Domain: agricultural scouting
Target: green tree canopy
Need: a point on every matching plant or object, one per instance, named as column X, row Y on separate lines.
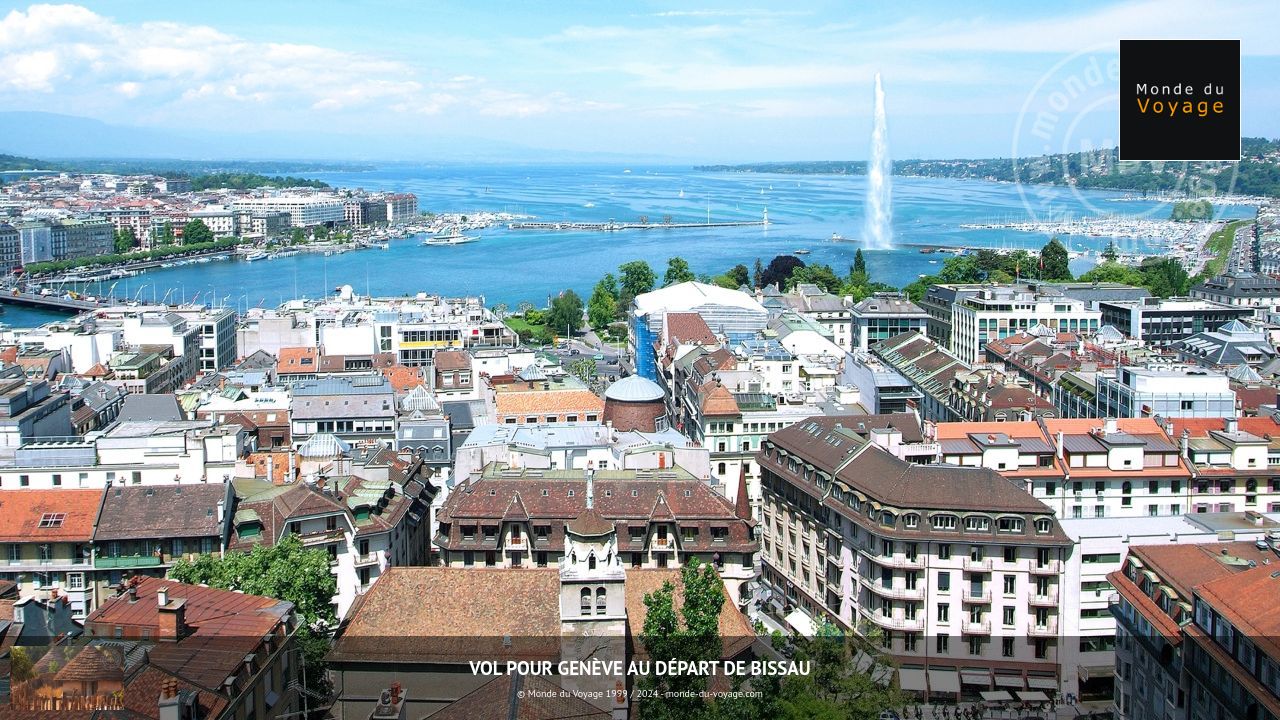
column 637, row 278
column 739, row 275
column 677, row 272
column 779, row 271
column 602, row 308
column 821, row 275
column 196, row 232
column 859, row 262
column 1054, row 261
column 697, row 638
column 565, row 313
column 125, row 240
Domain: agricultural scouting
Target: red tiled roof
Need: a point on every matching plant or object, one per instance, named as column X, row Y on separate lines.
column 685, row 328
column 402, row 378
column 452, row 360
column 65, row 515
column 1200, row 427
column 297, row 360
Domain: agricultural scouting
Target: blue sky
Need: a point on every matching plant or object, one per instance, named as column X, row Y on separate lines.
column 688, row 80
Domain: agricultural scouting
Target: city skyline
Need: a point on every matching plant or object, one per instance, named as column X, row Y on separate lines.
column 664, row 82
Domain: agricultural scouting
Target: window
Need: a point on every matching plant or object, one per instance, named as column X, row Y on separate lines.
column 490, row 558
column 944, row 582
column 944, row 551
column 1011, row 525
column 51, row 520
column 1006, row 646
column 24, row 481
column 57, row 480
column 1010, row 554
column 601, row 602
column 1010, row 584
column 585, row 602
column 941, row 644
column 1008, row 617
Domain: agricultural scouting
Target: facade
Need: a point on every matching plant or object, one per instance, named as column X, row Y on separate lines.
column 723, row 311
column 997, row 312
column 1164, row 390
column 829, row 311
column 30, row 410
column 958, row 568
column 517, row 517
column 1226, row 347
column 401, row 207
column 65, row 239
column 1195, row 628
column 1260, row 293
column 1164, row 321
column 10, row 248
column 882, row 316
column 48, row 540
column 222, row 222
column 304, row 210
column 352, row 408
column 930, row 368
column 1235, row 463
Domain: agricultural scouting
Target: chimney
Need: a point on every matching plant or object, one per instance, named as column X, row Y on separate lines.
column 1185, row 443
column 591, row 486
column 172, row 620
column 1110, row 426
column 1232, row 424
column 133, row 594
column 1058, row 449
column 391, row 704
column 162, row 596
column 222, row 510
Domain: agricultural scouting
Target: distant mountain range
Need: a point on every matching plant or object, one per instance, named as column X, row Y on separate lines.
column 1258, row 170
column 53, row 136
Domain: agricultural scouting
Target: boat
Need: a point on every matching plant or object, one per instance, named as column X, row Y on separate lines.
column 451, row 238
column 802, row 252
column 589, row 205
column 255, row 255
column 928, row 250
column 836, row 237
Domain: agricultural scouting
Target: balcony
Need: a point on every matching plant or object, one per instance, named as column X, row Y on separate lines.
column 893, row 561
column 50, row 564
column 1043, row 600
column 1048, row 628
column 128, row 561
column 982, row 627
column 1052, row 567
column 972, row 565
column 663, row 544
column 517, row 543
column 897, row 623
column 896, row 593
column 976, row 596
column 324, row 537
column 368, row 559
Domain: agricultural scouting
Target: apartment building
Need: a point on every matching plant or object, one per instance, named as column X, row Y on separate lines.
column 957, row 568
column 10, row 248
column 1163, row 321
column 1235, row 463
column 1165, row 390
column 30, row 410
column 996, row 312
column 304, row 210
column 882, row 316
column 1195, row 629
column 401, row 207
column 813, row 303
column 930, row 368
column 48, row 543
column 352, row 408
column 1255, row 291
column 517, row 517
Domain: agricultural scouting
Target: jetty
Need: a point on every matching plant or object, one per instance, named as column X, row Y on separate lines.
column 53, row 302
column 614, row 226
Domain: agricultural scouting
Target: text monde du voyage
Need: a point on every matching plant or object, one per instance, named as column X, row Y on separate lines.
column 1181, row 99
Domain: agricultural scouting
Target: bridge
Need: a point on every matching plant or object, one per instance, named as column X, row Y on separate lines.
column 51, row 302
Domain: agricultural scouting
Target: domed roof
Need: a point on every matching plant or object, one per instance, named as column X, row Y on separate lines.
column 323, row 445
column 634, row 389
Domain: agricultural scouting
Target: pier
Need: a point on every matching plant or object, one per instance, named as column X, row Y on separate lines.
column 612, row 226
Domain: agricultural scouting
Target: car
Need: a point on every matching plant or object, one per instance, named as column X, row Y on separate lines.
column 575, row 351
column 889, row 715
column 598, row 356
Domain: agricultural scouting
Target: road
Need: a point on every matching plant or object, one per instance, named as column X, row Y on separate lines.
column 608, row 366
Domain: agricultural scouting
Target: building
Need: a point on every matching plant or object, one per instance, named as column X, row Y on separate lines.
column 451, row 374
column 222, row 222
column 401, row 207
column 133, row 216
column 997, row 312
column 1235, row 463
column 515, row 517
column 882, row 316
column 1260, row 293
column 1229, row 346
column 724, row 311
column 10, row 248
column 828, row 310
column 929, row 367
column 366, row 523
column 958, row 568
column 199, row 652
column 65, row 239
column 1164, row 321
column 48, row 543
column 304, row 210
column 352, row 408
column 143, row 530
column 30, row 410
column 635, row 403
column 425, row 625
column 1195, row 629
column 880, row 388
column 531, row 397
column 1164, row 390
column 264, row 223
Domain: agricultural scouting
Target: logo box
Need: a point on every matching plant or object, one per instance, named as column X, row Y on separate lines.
column 1180, row 100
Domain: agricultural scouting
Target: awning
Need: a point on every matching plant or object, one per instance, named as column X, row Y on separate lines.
column 1014, row 681
column 911, row 679
column 801, row 623
column 944, row 681
column 1044, row 683
column 996, row 696
column 976, row 677
column 1033, row 696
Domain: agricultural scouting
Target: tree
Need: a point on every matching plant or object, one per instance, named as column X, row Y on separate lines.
column 739, row 274
column 501, row 310
column 125, row 241
column 196, row 232
column 859, row 262
column 836, row 687
column 602, row 308
column 757, row 274
column 20, row 665
column 779, row 271
column 297, row 236
column 677, row 272
column 320, row 232
column 821, row 275
column 166, row 235
column 697, row 639
column 1165, row 277
column 565, row 313
column 1113, row 272
column 1110, row 254
column 584, row 368
column 1054, row 261
column 285, row 571
column 637, row 278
